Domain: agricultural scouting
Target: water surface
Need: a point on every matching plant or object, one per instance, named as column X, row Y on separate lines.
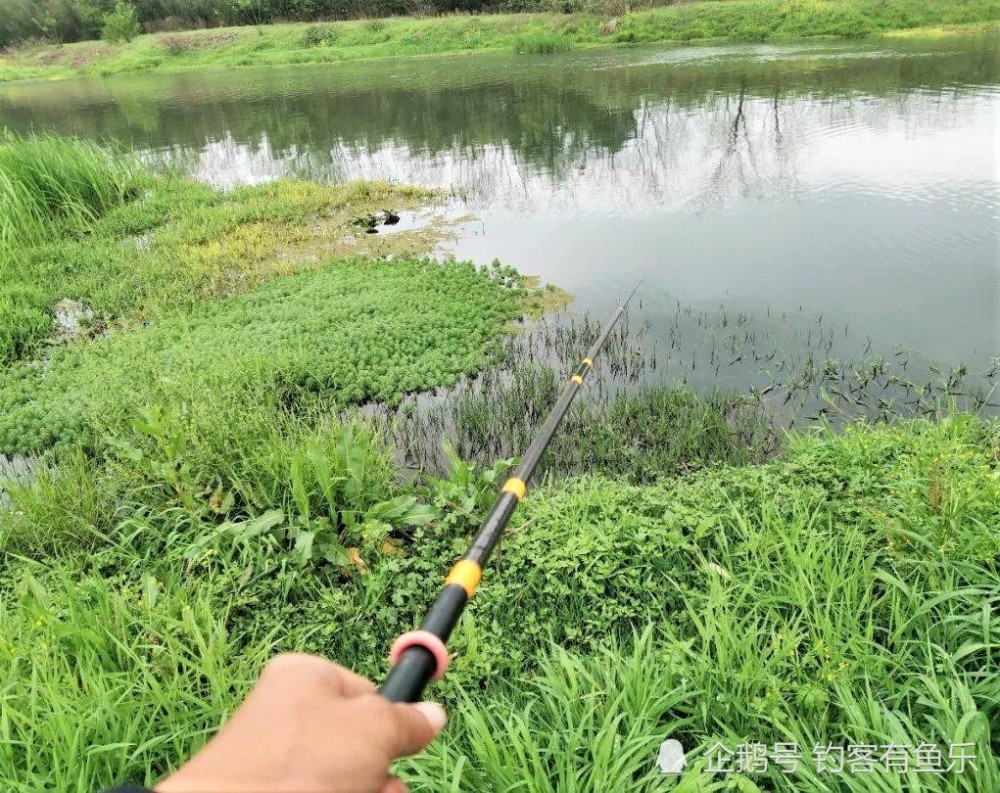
column 854, row 185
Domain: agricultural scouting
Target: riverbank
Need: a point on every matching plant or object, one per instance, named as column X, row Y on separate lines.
column 336, row 42
column 207, row 492
column 840, row 595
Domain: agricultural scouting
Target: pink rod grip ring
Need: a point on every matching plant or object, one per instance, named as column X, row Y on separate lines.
column 429, row 642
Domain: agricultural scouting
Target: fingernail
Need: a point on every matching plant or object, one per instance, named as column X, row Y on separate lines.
column 434, row 713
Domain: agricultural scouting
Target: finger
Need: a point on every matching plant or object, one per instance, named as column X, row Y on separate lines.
column 412, row 727
column 394, row 785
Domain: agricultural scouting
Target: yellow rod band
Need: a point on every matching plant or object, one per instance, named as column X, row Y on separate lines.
column 577, row 379
column 588, row 361
column 515, row 486
column 467, row 573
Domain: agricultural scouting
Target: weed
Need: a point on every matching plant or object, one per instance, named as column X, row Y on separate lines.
column 540, row 44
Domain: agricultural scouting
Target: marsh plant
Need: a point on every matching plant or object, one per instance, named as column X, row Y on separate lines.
column 661, row 399
column 50, row 185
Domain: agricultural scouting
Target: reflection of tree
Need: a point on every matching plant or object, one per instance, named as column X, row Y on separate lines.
column 754, row 158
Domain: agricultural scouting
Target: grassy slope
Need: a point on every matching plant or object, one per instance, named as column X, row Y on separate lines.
column 735, row 20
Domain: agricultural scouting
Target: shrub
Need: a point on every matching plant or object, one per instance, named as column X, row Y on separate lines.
column 121, row 24
column 175, row 45
column 170, row 24
column 318, row 36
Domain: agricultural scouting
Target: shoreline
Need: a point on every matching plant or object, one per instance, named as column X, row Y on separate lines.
column 210, row 495
column 396, row 38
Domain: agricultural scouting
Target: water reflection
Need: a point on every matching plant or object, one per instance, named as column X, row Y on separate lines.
column 674, row 157
column 858, row 180
column 621, row 128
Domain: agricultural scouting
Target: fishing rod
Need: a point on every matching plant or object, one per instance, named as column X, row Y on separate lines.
column 420, row 657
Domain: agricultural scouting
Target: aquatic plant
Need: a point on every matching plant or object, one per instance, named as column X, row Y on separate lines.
column 712, row 385
column 408, row 325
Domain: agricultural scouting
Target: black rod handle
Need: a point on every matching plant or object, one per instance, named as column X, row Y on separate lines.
column 409, row 677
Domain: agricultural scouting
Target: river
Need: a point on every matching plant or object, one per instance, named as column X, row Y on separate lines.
column 842, row 195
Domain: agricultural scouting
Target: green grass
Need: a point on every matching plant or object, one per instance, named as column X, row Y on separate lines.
column 844, row 593
column 51, row 185
column 540, row 44
column 50, row 188
column 206, row 495
column 95, row 228
column 734, row 20
column 648, row 433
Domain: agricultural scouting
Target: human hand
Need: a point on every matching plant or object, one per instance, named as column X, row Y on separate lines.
column 309, row 725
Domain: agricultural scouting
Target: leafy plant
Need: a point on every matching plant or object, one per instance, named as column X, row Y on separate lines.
column 467, row 492
column 331, row 494
column 121, row 23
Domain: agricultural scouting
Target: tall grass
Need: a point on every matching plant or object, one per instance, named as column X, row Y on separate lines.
column 540, row 43
column 50, row 187
column 49, row 184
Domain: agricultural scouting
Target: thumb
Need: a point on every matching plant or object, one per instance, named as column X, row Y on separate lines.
column 412, row 727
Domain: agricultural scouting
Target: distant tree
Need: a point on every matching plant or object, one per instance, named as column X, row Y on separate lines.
column 121, row 24
column 253, row 12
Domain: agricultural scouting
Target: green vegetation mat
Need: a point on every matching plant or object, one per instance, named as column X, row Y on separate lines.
column 733, row 20
column 353, row 332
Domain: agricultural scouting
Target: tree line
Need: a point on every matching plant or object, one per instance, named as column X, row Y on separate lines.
column 79, row 20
